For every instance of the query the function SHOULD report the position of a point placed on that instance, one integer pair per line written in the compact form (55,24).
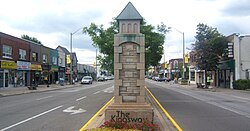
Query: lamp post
(96,63)
(71,61)
(183,46)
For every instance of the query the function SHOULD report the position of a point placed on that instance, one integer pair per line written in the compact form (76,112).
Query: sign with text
(8,65)
(21,65)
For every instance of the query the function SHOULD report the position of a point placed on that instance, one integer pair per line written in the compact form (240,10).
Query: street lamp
(71,58)
(183,44)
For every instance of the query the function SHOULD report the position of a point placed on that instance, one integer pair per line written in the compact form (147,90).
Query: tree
(26,37)
(209,47)
(103,39)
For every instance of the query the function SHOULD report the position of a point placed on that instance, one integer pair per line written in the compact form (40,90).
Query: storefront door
(6,79)
(1,79)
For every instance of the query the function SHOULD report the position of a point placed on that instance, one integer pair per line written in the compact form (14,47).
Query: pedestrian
(15,81)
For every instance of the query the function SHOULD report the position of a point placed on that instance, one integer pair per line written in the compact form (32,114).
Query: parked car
(100,78)
(87,80)
(162,79)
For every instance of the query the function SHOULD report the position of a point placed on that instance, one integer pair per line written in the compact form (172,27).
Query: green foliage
(241,84)
(103,39)
(209,47)
(33,39)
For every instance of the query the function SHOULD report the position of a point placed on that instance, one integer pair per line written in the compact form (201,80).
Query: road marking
(21,122)
(109,90)
(43,98)
(96,92)
(81,98)
(70,110)
(241,97)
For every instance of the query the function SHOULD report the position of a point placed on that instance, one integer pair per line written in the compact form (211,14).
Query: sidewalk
(41,88)
(237,93)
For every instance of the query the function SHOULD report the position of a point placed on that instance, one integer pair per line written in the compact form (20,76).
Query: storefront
(23,73)
(35,74)
(226,73)
(61,73)
(45,75)
(7,73)
(54,74)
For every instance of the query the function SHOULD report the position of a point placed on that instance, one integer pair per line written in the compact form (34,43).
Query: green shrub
(241,84)
(183,81)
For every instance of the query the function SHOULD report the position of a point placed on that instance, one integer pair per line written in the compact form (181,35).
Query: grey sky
(52,21)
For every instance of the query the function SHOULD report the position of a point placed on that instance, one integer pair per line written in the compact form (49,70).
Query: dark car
(161,79)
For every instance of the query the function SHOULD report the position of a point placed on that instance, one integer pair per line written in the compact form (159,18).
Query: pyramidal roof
(129,13)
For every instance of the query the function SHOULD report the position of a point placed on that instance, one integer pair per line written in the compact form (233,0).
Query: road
(199,110)
(60,110)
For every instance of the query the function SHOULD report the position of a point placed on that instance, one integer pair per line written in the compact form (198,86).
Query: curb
(38,91)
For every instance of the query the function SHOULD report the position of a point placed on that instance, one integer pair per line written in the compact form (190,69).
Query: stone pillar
(129,71)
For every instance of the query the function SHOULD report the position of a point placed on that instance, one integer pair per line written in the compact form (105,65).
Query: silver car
(87,80)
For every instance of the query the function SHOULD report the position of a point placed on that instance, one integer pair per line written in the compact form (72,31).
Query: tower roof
(129,13)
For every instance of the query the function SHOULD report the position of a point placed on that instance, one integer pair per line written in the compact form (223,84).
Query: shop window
(45,58)
(7,52)
(22,54)
(192,76)
(54,60)
(34,56)
(60,60)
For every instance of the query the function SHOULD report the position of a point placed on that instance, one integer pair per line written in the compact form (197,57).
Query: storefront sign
(54,68)
(61,69)
(8,65)
(36,67)
(21,65)
(46,67)
(68,59)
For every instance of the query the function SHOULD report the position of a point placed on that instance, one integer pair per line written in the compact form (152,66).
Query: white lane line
(96,92)
(33,117)
(43,98)
(241,97)
(81,98)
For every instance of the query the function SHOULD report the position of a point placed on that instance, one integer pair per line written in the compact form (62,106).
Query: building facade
(15,65)
(61,63)
(35,59)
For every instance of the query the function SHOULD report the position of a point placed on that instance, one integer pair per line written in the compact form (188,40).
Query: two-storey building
(15,65)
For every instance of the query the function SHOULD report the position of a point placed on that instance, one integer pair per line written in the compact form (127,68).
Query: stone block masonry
(129,70)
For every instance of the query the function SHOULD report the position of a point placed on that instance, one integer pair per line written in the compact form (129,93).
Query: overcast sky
(52,21)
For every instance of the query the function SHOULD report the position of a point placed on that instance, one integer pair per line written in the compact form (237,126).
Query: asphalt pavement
(43,88)
(196,109)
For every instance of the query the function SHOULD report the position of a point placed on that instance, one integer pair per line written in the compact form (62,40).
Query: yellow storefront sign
(68,59)
(8,65)
(186,58)
(165,65)
(36,67)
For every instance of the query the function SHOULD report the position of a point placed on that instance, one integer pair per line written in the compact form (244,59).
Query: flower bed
(123,126)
